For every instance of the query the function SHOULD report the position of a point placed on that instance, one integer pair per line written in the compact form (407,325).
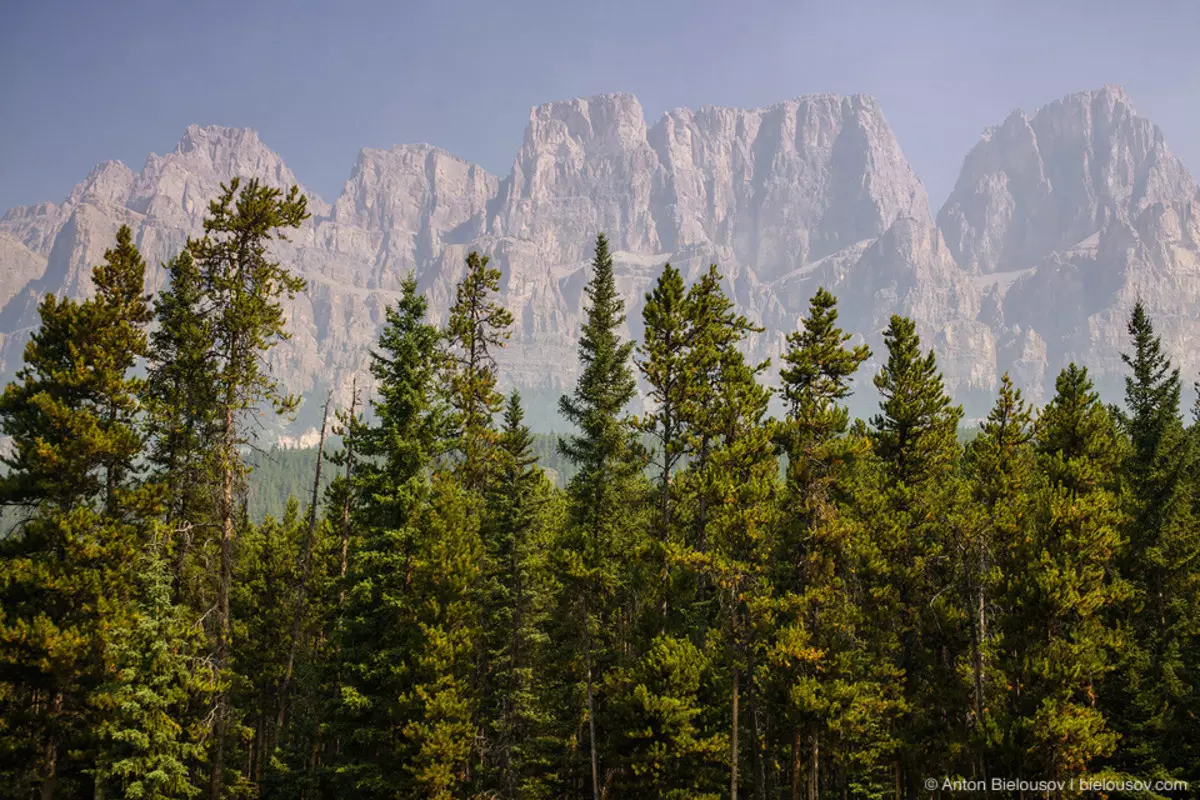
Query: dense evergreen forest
(708,602)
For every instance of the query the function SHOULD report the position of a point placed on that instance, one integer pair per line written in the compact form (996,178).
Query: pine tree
(149,741)
(517,601)
(603,495)
(915,440)
(446,571)
(242,288)
(1001,470)
(405,719)
(66,583)
(727,496)
(659,716)
(714,331)
(1159,685)
(663,367)
(816,653)
(477,326)
(742,476)
(1066,590)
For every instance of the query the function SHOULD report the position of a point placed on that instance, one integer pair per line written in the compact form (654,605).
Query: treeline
(746,606)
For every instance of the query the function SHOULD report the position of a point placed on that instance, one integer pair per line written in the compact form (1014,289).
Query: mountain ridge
(1058,219)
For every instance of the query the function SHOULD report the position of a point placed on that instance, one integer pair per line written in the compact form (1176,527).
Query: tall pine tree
(243,288)
(603,496)
(66,577)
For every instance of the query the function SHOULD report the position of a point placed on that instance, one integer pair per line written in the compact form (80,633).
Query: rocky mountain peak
(614,121)
(108,182)
(1059,218)
(1040,183)
(788,184)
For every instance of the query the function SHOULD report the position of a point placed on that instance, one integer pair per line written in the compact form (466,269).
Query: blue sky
(86,81)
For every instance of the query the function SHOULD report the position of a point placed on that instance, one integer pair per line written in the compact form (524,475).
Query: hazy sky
(82,82)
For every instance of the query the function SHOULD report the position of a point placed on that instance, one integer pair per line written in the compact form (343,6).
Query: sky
(84,82)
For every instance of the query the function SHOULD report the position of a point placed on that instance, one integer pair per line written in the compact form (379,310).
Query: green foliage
(686,618)
(66,583)
(477,325)
(604,498)
(916,433)
(518,597)
(148,741)
(1155,691)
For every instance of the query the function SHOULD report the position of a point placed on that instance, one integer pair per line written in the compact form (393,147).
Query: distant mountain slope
(1057,222)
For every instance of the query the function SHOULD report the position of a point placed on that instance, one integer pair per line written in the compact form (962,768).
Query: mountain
(1057,222)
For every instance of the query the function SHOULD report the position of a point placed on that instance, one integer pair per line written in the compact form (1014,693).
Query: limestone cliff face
(1058,221)
(1067,217)
(1038,184)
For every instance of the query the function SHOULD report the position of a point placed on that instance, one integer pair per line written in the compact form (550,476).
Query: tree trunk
(814,767)
(979,630)
(797,764)
(760,767)
(346,499)
(226,583)
(305,570)
(592,717)
(50,781)
(733,740)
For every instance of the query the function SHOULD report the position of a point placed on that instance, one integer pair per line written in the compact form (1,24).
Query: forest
(706,601)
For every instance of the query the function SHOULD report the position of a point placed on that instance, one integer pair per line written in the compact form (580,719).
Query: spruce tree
(183,417)
(662,364)
(516,600)
(243,288)
(66,577)
(915,440)
(407,615)
(603,495)
(266,566)
(150,737)
(916,432)
(1067,590)
(478,325)
(1163,533)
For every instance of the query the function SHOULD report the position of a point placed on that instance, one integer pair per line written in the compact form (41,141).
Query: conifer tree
(812,666)
(714,331)
(1160,675)
(66,583)
(477,326)
(603,495)
(400,726)
(1001,469)
(742,477)
(1068,586)
(266,566)
(660,713)
(183,418)
(663,367)
(915,440)
(149,740)
(243,289)
(915,434)
(517,602)
(728,492)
